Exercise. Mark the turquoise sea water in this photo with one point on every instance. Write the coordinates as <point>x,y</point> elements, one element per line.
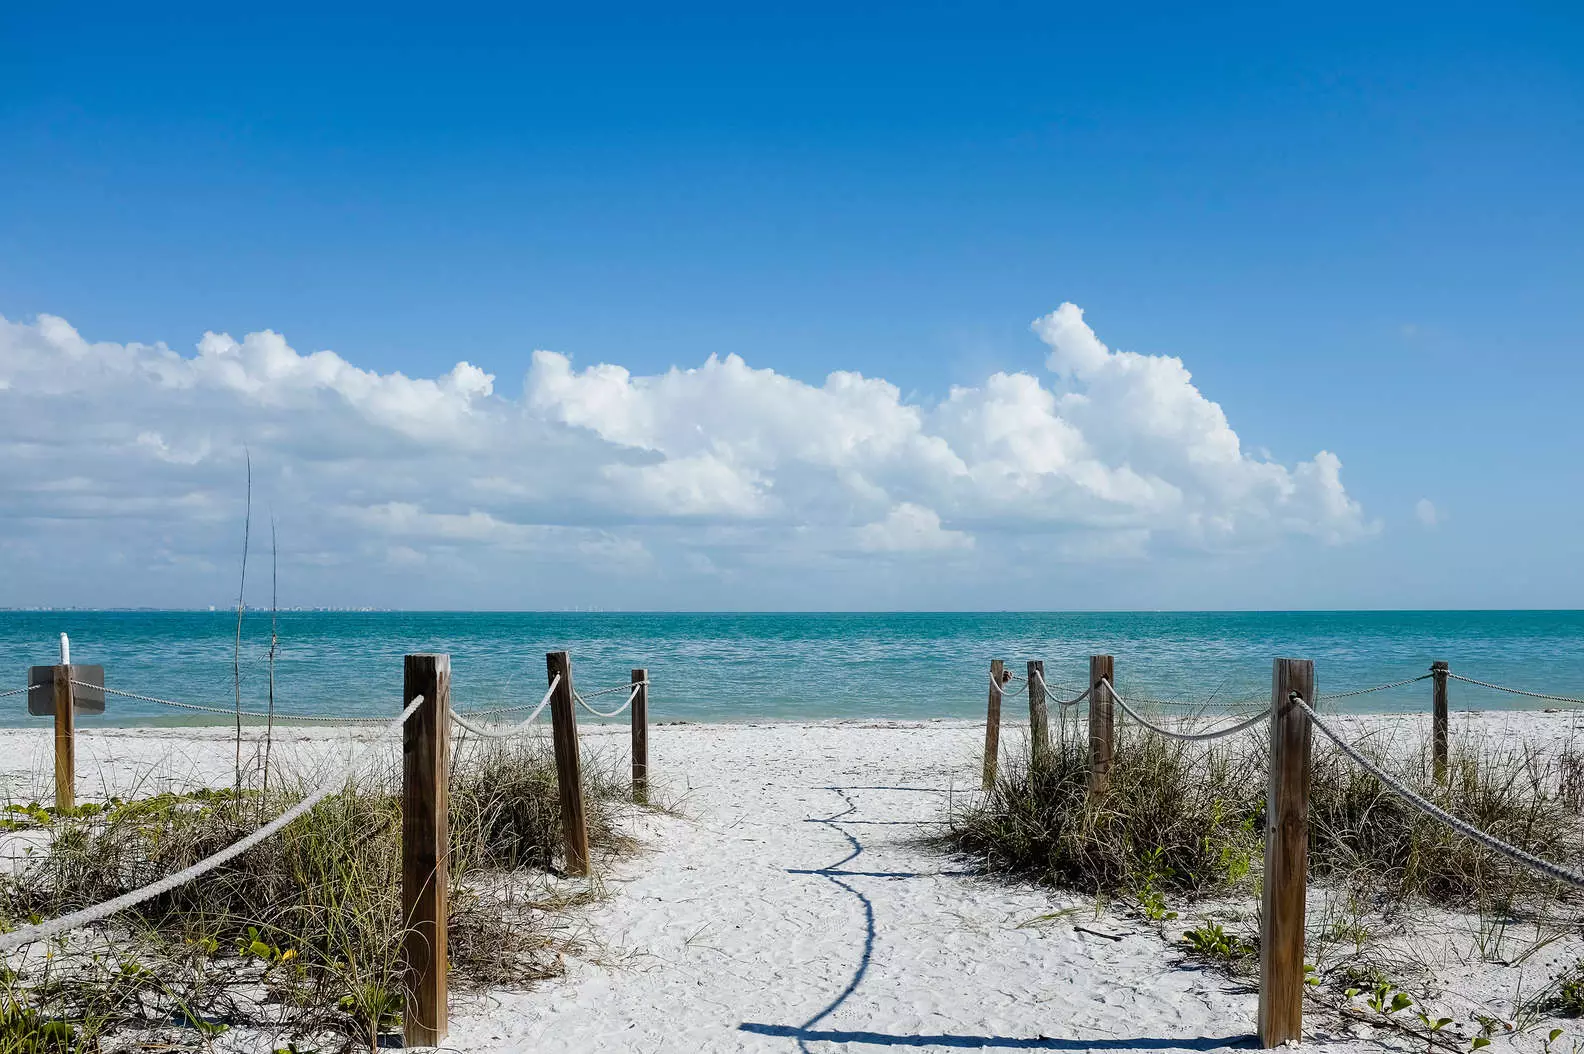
<point>722,667</point>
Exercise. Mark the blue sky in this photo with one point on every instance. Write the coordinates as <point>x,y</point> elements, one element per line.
<point>1358,227</point>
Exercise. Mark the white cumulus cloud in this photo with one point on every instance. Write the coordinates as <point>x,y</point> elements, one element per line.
<point>136,450</point>
<point>910,528</point>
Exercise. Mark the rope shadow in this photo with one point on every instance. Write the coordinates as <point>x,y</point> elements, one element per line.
<point>832,874</point>
<point>955,1041</point>
<point>807,1033</point>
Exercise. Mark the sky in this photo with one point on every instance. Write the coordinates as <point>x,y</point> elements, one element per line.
<point>935,306</point>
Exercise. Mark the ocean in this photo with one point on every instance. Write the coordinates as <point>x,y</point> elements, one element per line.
<point>732,667</point>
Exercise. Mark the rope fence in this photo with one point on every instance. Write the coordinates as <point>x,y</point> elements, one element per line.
<point>1434,811</point>
<point>1187,737</point>
<point>287,715</point>
<point>609,691</point>
<point>9,942</point>
<point>425,783</point>
<point>1514,691</point>
<point>231,711</point>
<point>1376,688</point>
<point>1000,687</point>
<point>514,730</point>
<point>1289,718</point>
<point>1052,697</point>
<point>581,701</point>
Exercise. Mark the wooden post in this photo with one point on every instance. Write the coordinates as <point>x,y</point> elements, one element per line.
<point>65,738</point>
<point>569,766</point>
<point>1039,712</point>
<point>993,725</point>
<point>426,763</point>
<point>1438,698</point>
<point>640,737</point>
<point>1286,856</point>
<point>1102,728</point>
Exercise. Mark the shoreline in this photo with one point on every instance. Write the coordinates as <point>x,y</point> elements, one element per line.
<point>94,723</point>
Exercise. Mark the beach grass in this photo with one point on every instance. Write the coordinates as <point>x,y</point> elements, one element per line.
<point>301,934</point>
<point>1188,819</point>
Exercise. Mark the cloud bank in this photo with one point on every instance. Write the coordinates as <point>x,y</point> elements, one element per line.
<point>720,471</point>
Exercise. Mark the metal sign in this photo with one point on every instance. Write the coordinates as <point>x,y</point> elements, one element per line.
<point>89,696</point>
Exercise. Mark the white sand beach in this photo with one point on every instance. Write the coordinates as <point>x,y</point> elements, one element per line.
<point>789,904</point>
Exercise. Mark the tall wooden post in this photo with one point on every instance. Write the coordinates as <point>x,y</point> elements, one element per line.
<point>1102,727</point>
<point>1039,712</point>
<point>569,765</point>
<point>640,736</point>
<point>426,764</point>
<point>1438,699</point>
<point>1286,856</point>
<point>992,750</point>
<point>65,738</point>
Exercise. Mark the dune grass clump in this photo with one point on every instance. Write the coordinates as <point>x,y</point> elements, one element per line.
<point>1173,819</point>
<point>301,935</point>
<point>1189,818</point>
<point>1362,835</point>
<point>506,814</point>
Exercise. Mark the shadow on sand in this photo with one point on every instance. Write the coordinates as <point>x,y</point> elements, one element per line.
<point>806,1033</point>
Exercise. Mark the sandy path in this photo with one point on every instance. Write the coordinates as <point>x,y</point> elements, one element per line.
<point>793,909</point>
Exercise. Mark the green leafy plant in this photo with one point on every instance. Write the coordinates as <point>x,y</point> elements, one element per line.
<point>1387,1000</point>
<point>1210,941</point>
<point>1152,902</point>
<point>375,1008</point>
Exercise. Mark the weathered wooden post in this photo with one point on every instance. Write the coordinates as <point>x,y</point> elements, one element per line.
<point>1286,856</point>
<point>1102,728</point>
<point>426,763</point>
<point>65,734</point>
<point>993,725</point>
<point>1438,699</point>
<point>640,737</point>
<point>1039,712</point>
<point>569,765</point>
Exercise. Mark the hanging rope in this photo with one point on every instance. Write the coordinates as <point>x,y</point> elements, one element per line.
<point>19,691</point>
<point>1045,688</point>
<point>512,730</point>
<point>1377,688</point>
<point>1245,705</point>
<point>1513,691</point>
<point>535,707</point>
<point>229,711</point>
<point>1187,737</point>
<point>9,942</point>
<point>613,713</point>
<point>614,688</point>
<point>1001,689</point>
<point>1434,811</point>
